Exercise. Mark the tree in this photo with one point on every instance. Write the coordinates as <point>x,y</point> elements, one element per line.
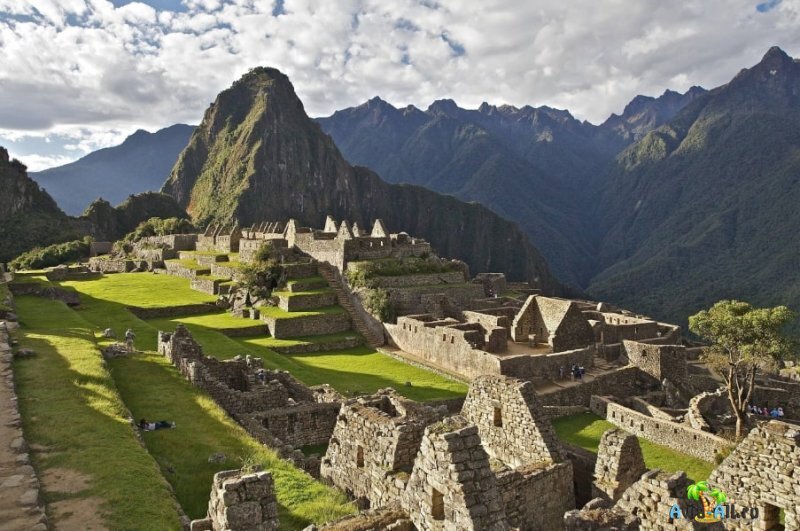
<point>745,341</point>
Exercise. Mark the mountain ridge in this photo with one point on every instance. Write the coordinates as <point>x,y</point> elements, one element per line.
<point>257,156</point>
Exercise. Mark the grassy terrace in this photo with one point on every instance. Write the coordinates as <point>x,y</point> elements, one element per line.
<point>586,429</point>
<point>277,313</point>
<point>153,389</point>
<point>76,421</point>
<point>188,264</point>
<point>320,291</point>
<point>352,371</point>
<point>141,289</point>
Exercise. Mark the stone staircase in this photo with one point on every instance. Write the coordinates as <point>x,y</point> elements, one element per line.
<point>334,279</point>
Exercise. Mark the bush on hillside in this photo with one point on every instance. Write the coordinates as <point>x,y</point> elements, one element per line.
<point>362,272</point>
<point>52,255</point>
<point>160,227</point>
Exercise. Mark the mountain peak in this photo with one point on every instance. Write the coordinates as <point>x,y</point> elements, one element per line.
<point>775,53</point>
<point>444,106</point>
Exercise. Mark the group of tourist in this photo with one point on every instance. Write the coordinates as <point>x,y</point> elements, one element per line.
<point>108,333</point>
<point>776,412</point>
<point>576,372</point>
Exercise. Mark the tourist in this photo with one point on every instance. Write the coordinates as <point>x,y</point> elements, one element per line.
<point>574,371</point>
<point>561,372</point>
<point>153,426</point>
<point>109,334</point>
<point>774,413</point>
<point>780,412</point>
<point>129,337</point>
<point>262,376</point>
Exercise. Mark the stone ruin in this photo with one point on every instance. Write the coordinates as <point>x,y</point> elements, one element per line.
<point>764,472</point>
<point>496,465</point>
<point>273,406</point>
<point>619,464</point>
<point>240,502</point>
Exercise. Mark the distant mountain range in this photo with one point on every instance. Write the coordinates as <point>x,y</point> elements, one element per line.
<point>257,156</point>
<point>678,201</point>
<point>538,166</point>
<point>140,164</point>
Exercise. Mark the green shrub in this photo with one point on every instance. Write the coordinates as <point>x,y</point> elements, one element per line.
<point>265,272</point>
<point>377,303</point>
<point>52,255</point>
<point>160,227</point>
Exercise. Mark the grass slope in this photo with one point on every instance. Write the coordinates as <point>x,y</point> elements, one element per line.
<point>586,429</point>
<point>142,289</point>
<point>153,389</point>
<point>70,406</point>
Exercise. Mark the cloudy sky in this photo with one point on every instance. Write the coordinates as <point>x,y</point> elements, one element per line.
<point>77,75</point>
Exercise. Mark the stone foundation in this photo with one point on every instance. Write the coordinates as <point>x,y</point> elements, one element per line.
<point>240,502</point>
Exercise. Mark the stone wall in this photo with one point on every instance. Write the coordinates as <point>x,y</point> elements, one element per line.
<point>652,497</point>
<point>241,502</point>
<point>309,325</point>
<point>452,486</point>
<point>274,406</point>
<point>536,496</point>
<point>171,311</point>
<point>546,366</point>
<point>177,269</point>
<point>410,281</point>
<point>373,446</point>
<point>443,345</point>
<point>762,472</point>
<point>620,464</point>
<point>624,382</point>
<point>510,421</point>
<point>407,301</point>
<point>673,435</point>
<point>557,322</point>
<point>659,361</point>
<point>19,483</point>
<point>111,265</point>
<point>299,303</point>
<point>176,242</point>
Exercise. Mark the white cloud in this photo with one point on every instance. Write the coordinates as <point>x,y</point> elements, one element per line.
<point>84,66</point>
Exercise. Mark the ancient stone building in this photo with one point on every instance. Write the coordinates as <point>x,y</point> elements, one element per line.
<point>619,465</point>
<point>223,238</point>
<point>240,502</point>
<point>273,406</point>
<point>559,323</point>
<point>659,361</point>
<point>374,444</point>
<point>478,344</point>
<point>763,472</point>
<point>452,487</point>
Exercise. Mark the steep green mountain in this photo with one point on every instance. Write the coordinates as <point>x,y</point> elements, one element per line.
<point>30,218</point>
<point>28,215</point>
<point>257,156</point>
<point>536,166</point>
<point>139,164</point>
<point>706,206</point>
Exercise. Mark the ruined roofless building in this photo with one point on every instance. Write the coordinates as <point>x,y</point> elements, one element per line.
<point>497,465</point>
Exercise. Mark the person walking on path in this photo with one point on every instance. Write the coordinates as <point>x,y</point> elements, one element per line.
<point>129,337</point>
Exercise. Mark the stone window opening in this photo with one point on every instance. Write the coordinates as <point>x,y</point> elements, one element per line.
<point>444,337</point>
<point>291,421</point>
<point>498,418</point>
<point>437,505</point>
<point>452,339</point>
<point>360,457</point>
<point>771,518</point>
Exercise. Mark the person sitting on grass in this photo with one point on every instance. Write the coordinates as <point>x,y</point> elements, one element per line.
<point>153,426</point>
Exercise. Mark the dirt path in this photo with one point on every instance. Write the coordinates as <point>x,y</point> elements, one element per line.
<point>20,506</point>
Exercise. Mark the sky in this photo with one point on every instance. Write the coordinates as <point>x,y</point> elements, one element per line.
<point>79,75</point>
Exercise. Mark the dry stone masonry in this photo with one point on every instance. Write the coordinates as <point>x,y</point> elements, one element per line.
<point>619,465</point>
<point>240,502</point>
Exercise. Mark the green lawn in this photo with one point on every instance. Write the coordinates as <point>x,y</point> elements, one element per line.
<point>153,389</point>
<point>144,290</point>
<point>353,371</point>
<point>586,429</point>
<point>71,408</point>
<point>217,320</point>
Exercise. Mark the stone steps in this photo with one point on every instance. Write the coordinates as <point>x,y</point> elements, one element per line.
<point>372,338</point>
